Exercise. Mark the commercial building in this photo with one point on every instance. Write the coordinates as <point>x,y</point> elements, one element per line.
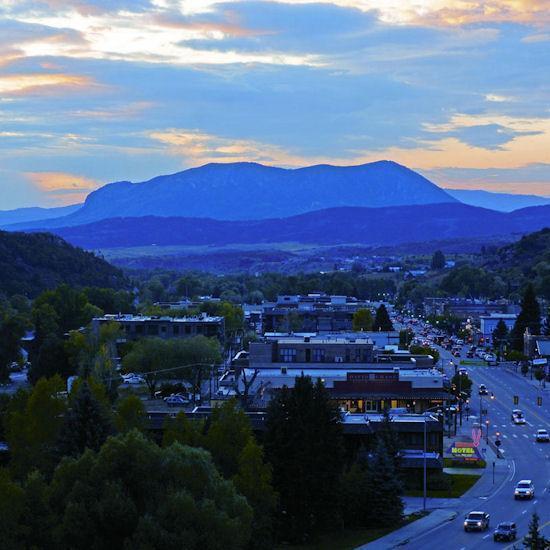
<point>489,324</point>
<point>140,326</point>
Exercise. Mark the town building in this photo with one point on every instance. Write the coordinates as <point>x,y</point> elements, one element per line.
<point>489,324</point>
<point>140,326</point>
<point>466,308</point>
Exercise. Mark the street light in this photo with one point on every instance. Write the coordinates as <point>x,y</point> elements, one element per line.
<point>487,424</point>
<point>425,482</point>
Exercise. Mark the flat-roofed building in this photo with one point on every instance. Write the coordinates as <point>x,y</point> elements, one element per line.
<point>141,326</point>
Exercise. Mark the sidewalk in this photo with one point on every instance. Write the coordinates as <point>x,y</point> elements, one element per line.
<point>517,372</point>
<point>419,527</point>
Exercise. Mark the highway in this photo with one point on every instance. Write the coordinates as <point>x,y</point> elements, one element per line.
<point>526,459</point>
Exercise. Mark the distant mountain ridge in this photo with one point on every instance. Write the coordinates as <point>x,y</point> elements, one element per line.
<point>503,202</point>
<point>32,214</point>
<point>241,191</point>
<point>343,225</point>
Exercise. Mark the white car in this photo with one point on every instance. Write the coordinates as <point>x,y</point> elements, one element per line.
<point>524,489</point>
<point>517,417</point>
<point>542,436</point>
<point>176,401</point>
<point>133,379</point>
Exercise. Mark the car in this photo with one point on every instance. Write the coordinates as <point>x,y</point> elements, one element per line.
<point>470,354</point>
<point>476,521</point>
<point>462,371</point>
<point>134,379</point>
<point>456,353</point>
<point>506,530</point>
<point>176,401</point>
<point>483,390</point>
<point>524,490</point>
<point>517,417</point>
<point>542,436</point>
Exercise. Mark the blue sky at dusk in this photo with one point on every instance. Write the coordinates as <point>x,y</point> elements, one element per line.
<point>98,91</point>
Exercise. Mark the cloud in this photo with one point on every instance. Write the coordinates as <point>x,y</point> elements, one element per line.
<point>67,188</point>
<point>495,98</point>
<point>540,37</point>
<point>39,82</point>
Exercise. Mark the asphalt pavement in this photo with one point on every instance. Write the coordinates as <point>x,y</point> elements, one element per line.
<point>524,459</point>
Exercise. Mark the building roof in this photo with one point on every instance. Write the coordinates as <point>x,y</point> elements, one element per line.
<point>543,347</point>
<point>129,318</point>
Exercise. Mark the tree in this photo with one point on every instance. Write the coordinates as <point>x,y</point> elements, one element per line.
<point>254,481</point>
<point>228,434</point>
<point>134,494</point>
<point>86,424</point>
<point>12,329</point>
<point>438,260</point>
<point>362,320</point>
<point>387,434</point>
<point>535,540</point>
<point>539,375</point>
<point>546,330</point>
<point>425,350</point>
<point>147,357</point>
<point>33,421</point>
<point>528,318</point>
<point>460,384</point>
<point>130,415</point>
<point>52,359</point>
<point>182,430</point>
<point>382,321</point>
<point>357,495</point>
<point>500,336</point>
<point>405,338</point>
<point>387,506</point>
<point>303,442</point>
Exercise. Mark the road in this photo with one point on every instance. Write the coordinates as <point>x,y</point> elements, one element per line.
<point>527,460</point>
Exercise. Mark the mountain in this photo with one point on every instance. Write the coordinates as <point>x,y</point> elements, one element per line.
<point>531,251</point>
<point>344,225</point>
<point>22,215</point>
<point>31,263</point>
<point>241,191</point>
<point>503,202</point>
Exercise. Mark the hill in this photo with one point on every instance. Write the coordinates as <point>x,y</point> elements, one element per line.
<point>530,254</point>
<point>31,263</point>
<point>503,202</point>
<point>250,191</point>
<point>23,215</point>
<point>346,225</point>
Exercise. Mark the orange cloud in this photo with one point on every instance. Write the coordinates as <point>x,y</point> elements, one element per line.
<point>66,188</point>
<point>31,83</point>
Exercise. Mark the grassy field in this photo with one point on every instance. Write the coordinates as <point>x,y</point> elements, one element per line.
<point>460,483</point>
<point>349,539</point>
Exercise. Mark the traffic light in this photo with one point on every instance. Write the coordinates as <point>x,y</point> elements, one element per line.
<point>516,399</point>
<point>539,401</point>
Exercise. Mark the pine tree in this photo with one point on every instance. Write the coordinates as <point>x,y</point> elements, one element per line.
<point>529,317</point>
<point>387,434</point>
<point>438,260</point>
<point>500,336</point>
<point>388,506</point>
<point>382,321</point>
<point>535,540</point>
<point>303,442</point>
<point>86,424</point>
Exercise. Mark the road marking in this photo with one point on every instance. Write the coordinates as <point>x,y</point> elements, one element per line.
<point>486,536</point>
<point>505,436</point>
<point>524,512</point>
<point>526,436</point>
<point>515,435</point>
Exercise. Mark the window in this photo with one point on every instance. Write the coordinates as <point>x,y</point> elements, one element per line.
<point>318,355</point>
<point>288,355</point>
<point>175,329</point>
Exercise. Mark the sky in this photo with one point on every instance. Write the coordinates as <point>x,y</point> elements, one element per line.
<point>95,91</point>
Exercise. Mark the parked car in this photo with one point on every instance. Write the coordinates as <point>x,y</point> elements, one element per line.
<point>476,521</point>
<point>462,371</point>
<point>524,489</point>
<point>176,401</point>
<point>133,379</point>
<point>506,530</point>
<point>483,390</point>
<point>470,354</point>
<point>542,436</point>
<point>517,417</point>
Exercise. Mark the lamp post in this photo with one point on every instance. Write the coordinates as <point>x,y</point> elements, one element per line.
<point>425,477</point>
<point>487,424</point>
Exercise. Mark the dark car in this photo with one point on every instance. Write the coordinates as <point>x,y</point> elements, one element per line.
<point>476,521</point>
<point>505,530</point>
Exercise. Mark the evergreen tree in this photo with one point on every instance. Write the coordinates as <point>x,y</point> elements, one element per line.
<point>86,425</point>
<point>387,506</point>
<point>382,321</point>
<point>529,317</point>
<point>546,330</point>
<point>535,540</point>
<point>387,434</point>
<point>183,430</point>
<point>438,260</point>
<point>357,494</point>
<point>51,360</point>
<point>130,415</point>
<point>500,336</point>
<point>303,442</point>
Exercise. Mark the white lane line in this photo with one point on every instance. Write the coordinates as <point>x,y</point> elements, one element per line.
<point>486,536</point>
<point>515,435</point>
<point>524,512</point>
<point>526,436</point>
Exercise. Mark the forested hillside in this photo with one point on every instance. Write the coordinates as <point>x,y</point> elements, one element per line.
<point>31,263</point>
